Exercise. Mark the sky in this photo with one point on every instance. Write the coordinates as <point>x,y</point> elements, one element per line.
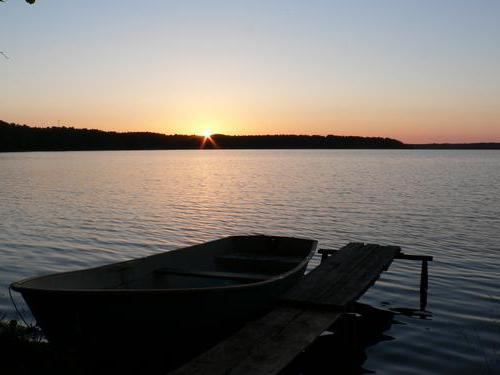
<point>419,71</point>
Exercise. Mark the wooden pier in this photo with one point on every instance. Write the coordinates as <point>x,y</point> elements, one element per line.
<point>267,345</point>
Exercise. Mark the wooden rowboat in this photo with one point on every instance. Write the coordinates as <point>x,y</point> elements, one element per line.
<point>179,301</point>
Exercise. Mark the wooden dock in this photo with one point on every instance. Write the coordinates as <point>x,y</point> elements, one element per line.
<point>267,345</point>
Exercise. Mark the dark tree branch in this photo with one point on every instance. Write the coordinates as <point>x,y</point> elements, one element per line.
<point>28,1</point>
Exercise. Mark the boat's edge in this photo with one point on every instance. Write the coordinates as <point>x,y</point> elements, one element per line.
<point>18,285</point>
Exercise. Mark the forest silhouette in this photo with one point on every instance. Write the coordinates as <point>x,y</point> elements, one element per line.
<point>14,137</point>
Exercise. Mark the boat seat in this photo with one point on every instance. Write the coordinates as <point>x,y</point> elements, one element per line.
<point>261,258</point>
<point>210,273</point>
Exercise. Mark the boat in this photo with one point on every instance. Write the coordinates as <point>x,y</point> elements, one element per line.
<point>179,301</point>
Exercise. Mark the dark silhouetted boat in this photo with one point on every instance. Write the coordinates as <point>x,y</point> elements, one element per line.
<point>179,301</point>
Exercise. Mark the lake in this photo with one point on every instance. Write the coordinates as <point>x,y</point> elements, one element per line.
<point>70,210</point>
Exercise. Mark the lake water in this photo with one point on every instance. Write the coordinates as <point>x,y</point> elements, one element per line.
<point>70,210</point>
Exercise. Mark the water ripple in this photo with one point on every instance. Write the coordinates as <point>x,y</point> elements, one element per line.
<point>72,210</point>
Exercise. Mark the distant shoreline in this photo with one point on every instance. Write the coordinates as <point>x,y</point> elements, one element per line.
<point>23,138</point>
<point>456,146</point>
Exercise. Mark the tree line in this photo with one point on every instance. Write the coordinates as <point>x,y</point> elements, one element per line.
<point>15,137</point>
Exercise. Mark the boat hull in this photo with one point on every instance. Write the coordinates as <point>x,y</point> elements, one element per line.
<point>74,319</point>
<point>162,327</point>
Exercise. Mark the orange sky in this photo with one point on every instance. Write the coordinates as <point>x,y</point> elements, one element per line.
<point>418,72</point>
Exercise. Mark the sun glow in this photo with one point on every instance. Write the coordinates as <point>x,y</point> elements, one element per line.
<point>207,139</point>
<point>207,133</point>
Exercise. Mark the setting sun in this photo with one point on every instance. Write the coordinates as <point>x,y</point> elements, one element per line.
<point>207,133</point>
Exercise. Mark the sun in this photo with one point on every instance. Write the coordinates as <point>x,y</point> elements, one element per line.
<point>207,133</point>
<point>207,139</point>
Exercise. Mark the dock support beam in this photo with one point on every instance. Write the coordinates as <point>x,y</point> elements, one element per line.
<point>424,285</point>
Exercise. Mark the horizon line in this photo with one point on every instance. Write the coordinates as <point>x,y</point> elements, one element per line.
<point>246,135</point>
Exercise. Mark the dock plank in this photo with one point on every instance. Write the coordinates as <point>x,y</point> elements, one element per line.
<point>344,276</point>
<point>267,345</point>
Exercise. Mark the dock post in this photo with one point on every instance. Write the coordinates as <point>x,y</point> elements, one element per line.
<point>424,284</point>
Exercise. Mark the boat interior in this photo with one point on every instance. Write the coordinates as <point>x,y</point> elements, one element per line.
<point>229,261</point>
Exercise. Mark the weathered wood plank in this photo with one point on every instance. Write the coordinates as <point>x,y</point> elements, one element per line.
<point>260,258</point>
<point>358,281</point>
<point>415,257</point>
<point>214,274</point>
<point>343,277</point>
<point>265,346</point>
<point>326,252</point>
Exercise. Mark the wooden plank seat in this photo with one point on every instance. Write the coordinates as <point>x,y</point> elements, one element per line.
<point>252,257</point>
<point>212,273</point>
